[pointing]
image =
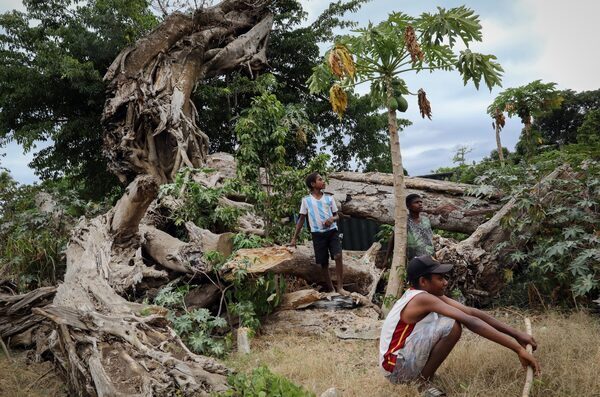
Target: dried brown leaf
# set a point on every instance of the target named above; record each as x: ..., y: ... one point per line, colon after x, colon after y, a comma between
x: 412, y: 46
x: 424, y: 105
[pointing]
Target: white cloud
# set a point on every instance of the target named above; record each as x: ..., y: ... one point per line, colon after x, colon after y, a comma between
x: 569, y: 50
x: 7, y: 5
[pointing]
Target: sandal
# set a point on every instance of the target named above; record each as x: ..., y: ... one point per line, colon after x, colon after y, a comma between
x: 433, y: 392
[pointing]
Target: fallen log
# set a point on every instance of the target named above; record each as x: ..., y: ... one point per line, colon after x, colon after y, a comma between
x: 415, y: 183
x: 360, y: 272
x: 446, y: 211
x: 370, y: 196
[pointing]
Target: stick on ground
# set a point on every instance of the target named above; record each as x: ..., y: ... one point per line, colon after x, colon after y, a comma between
x: 5, y: 350
x: 529, y: 376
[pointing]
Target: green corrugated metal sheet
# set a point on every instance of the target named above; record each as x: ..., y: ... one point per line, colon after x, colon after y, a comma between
x: 358, y: 234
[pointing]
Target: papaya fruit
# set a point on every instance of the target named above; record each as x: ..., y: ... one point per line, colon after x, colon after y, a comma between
x: 402, y: 104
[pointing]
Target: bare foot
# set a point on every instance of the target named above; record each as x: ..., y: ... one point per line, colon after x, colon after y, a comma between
x: 343, y: 292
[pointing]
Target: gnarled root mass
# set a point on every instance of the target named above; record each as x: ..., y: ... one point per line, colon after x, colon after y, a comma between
x: 105, y: 344
x: 149, y: 117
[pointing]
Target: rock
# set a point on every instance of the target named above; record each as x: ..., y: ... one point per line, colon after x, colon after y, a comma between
x: 332, y: 392
x: 361, y: 323
x: 243, y: 340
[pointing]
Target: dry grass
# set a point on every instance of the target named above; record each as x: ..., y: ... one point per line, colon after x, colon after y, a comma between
x: 569, y: 351
x: 22, y: 378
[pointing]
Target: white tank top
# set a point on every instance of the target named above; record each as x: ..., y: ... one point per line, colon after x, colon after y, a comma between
x: 395, y: 333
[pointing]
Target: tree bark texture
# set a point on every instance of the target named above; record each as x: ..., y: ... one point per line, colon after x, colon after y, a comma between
x: 397, y: 270
x: 149, y: 119
x: 360, y: 271
x: 105, y: 344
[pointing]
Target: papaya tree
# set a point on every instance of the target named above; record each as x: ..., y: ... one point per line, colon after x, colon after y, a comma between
x: 526, y: 101
x: 380, y: 55
x: 498, y: 123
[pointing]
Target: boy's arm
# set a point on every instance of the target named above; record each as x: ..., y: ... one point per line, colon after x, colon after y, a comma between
x: 426, y: 303
x: 334, y: 213
x: 332, y: 219
x: 299, y: 226
x: 522, y: 337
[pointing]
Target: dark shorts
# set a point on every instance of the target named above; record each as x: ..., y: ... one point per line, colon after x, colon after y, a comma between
x: 326, y: 244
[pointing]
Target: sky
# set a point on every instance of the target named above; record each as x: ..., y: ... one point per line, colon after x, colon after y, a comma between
x: 551, y: 40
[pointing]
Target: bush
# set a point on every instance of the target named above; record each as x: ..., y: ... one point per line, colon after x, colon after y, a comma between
x: 562, y: 259
x: 200, y: 204
x: 32, y: 241
x: 263, y: 383
x: 195, y: 327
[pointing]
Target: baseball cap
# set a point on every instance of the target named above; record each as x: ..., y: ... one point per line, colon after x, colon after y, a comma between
x: 423, y: 265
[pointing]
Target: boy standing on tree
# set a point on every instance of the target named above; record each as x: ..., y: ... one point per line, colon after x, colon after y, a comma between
x: 322, y: 216
x: 424, y: 325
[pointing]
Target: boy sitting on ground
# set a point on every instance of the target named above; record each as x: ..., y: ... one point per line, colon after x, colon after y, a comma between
x: 424, y: 325
x: 321, y: 211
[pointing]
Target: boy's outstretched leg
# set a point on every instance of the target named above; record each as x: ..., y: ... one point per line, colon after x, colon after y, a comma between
x: 339, y: 273
x: 440, y: 351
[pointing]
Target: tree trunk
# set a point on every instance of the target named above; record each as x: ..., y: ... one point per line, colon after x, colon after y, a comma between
x: 397, y: 271
x: 149, y: 119
x: 528, y: 144
x: 498, y: 144
x: 105, y: 344
x: 446, y: 204
x: 359, y: 270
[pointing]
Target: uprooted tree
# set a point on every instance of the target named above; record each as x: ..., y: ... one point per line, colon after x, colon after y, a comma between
x: 105, y: 344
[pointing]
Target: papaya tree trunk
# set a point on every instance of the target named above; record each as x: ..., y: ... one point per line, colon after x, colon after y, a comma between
x: 397, y: 271
x: 528, y: 142
x: 498, y: 143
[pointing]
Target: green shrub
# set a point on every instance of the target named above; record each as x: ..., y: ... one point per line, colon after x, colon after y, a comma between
x: 562, y: 258
x: 253, y: 297
x: 263, y: 383
x: 199, y: 203
x: 197, y: 328
x: 32, y: 242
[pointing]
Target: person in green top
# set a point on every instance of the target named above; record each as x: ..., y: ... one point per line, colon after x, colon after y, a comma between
x: 419, y: 233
